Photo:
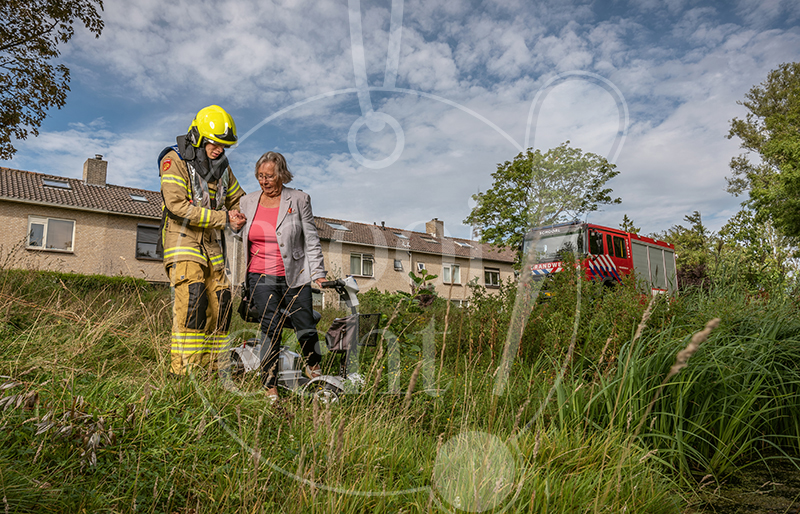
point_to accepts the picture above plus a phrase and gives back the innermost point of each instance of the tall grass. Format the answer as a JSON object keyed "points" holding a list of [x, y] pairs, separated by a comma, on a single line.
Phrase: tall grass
{"points": [[89, 420]]}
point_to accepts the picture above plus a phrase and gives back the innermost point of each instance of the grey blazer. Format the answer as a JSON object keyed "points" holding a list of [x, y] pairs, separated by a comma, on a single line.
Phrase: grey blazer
{"points": [[297, 235]]}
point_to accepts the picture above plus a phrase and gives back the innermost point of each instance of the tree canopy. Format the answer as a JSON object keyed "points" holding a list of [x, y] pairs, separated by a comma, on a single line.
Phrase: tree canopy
{"points": [[771, 129], [628, 226], [745, 254], [692, 248], [539, 189], [30, 32]]}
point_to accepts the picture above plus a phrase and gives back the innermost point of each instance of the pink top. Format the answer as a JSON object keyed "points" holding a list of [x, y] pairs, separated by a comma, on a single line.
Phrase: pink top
{"points": [[265, 255]]}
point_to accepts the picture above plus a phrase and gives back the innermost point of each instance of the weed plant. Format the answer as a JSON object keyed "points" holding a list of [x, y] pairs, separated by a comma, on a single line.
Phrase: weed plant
{"points": [[90, 421]]}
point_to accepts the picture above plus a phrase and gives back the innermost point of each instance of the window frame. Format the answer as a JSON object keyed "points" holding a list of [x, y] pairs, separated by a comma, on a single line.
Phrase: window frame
{"points": [[449, 268], [56, 183], [138, 257], [362, 258], [398, 264], [45, 221], [620, 247], [595, 238], [493, 271]]}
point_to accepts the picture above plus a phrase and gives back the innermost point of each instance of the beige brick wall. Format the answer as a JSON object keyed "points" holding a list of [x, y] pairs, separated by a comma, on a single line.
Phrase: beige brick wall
{"points": [[105, 244], [385, 277]]}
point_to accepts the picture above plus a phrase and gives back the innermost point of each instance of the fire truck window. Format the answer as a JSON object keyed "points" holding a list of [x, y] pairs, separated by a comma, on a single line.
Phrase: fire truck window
{"points": [[619, 248], [609, 247], [595, 243]]}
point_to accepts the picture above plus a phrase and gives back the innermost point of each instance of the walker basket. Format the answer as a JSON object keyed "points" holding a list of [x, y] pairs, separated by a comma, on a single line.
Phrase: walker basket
{"points": [[342, 334]]}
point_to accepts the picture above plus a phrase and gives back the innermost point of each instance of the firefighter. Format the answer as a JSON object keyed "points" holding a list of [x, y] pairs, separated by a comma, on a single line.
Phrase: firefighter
{"points": [[201, 198]]}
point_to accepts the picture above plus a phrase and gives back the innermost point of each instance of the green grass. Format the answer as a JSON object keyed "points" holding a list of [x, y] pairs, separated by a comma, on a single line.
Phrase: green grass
{"points": [[89, 420]]}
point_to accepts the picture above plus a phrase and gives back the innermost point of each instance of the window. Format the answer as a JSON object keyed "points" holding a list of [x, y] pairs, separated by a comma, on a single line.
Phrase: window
{"points": [[361, 264], [61, 184], [401, 236], [398, 265], [451, 273], [147, 242], [595, 243], [138, 198], [338, 226], [463, 245], [620, 248], [50, 234], [491, 277], [420, 266], [317, 300]]}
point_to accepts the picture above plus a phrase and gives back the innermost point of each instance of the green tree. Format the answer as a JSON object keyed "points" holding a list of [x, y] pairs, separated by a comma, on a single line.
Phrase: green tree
{"points": [[30, 32], [628, 226], [539, 189], [759, 255], [771, 129], [693, 249]]}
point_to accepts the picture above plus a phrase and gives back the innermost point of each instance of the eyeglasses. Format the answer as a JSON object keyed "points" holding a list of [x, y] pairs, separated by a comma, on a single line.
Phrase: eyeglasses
{"points": [[267, 178]]}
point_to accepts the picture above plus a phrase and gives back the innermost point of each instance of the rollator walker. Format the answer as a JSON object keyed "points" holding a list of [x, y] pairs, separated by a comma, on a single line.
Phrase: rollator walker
{"points": [[342, 340]]}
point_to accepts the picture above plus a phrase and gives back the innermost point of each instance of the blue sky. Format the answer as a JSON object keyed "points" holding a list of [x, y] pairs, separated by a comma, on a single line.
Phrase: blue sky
{"points": [[451, 90]]}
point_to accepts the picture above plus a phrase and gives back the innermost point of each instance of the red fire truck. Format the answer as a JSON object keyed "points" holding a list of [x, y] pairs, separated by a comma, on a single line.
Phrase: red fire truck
{"points": [[606, 254]]}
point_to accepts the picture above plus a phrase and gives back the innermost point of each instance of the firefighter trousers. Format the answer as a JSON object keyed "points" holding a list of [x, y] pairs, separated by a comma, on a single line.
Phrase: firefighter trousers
{"points": [[201, 318]]}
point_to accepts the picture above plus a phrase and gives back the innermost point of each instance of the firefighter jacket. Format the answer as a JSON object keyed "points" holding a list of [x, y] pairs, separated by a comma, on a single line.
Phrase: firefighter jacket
{"points": [[193, 219]]}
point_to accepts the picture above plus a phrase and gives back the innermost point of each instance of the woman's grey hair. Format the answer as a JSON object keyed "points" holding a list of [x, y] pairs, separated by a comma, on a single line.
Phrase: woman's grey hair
{"points": [[281, 168]]}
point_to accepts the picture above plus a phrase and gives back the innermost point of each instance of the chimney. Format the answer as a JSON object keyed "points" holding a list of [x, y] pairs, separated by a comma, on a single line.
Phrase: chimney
{"points": [[383, 225], [435, 227], [94, 171]]}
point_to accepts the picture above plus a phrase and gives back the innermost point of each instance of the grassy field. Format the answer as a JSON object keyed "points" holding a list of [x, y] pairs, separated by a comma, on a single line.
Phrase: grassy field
{"points": [[597, 415]]}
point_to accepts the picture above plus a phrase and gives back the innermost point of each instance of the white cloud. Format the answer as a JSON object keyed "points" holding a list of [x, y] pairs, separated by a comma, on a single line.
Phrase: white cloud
{"points": [[680, 65]]}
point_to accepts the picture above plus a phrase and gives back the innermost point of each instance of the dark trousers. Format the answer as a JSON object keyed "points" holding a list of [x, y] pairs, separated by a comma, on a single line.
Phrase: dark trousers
{"points": [[282, 307]]}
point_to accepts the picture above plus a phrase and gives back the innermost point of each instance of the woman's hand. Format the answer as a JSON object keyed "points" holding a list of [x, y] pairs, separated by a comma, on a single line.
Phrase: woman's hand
{"points": [[236, 220]]}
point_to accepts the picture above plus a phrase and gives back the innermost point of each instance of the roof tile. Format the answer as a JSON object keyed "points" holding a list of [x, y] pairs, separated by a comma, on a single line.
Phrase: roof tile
{"points": [[28, 186]]}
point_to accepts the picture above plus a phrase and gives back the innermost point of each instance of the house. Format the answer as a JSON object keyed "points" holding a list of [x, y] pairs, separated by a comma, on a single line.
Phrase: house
{"points": [[88, 226], [79, 225], [381, 257]]}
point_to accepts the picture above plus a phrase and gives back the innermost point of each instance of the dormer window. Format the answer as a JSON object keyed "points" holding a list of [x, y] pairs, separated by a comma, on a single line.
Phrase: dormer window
{"points": [[61, 184], [337, 226]]}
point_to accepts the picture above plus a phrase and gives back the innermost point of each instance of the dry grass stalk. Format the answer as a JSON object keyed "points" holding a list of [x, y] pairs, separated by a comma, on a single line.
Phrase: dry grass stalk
{"points": [[378, 375], [446, 327], [201, 427], [603, 353], [301, 462], [311, 479], [519, 415], [648, 455], [536, 444], [339, 442], [315, 411], [256, 453], [645, 317], [682, 359], [412, 384], [389, 323]]}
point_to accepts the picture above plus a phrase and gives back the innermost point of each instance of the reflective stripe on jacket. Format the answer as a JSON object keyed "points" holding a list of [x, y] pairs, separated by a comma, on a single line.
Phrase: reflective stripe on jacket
{"points": [[191, 232]]}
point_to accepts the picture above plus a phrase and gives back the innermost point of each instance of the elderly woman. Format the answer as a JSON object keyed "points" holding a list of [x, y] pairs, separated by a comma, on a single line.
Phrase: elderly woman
{"points": [[284, 256]]}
